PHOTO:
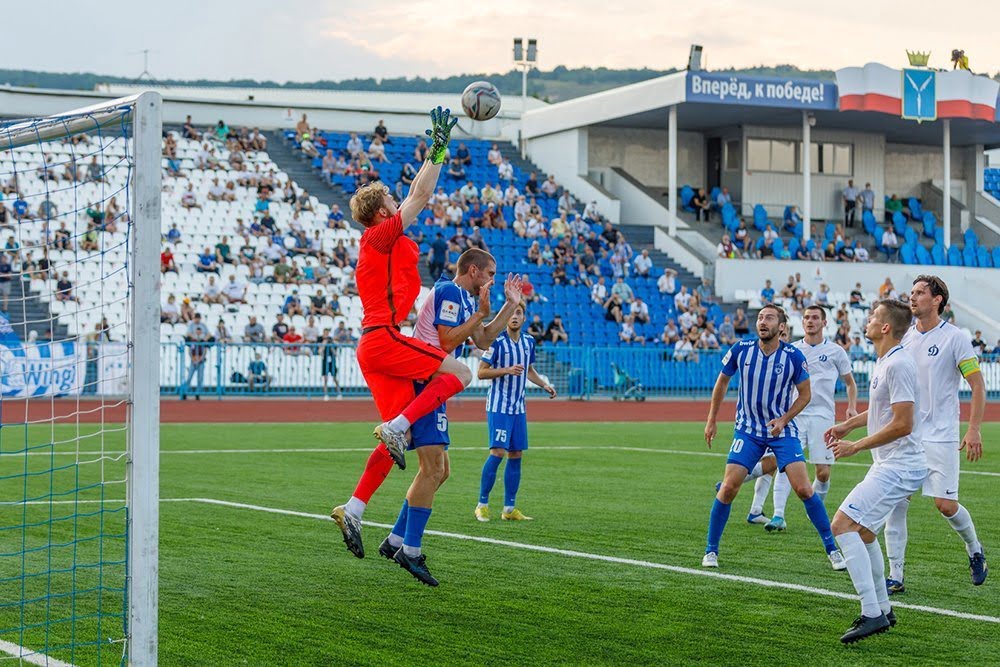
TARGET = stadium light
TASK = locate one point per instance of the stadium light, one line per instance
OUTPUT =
(694, 58)
(525, 59)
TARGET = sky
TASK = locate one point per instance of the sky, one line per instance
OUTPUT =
(304, 40)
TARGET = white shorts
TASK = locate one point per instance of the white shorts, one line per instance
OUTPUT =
(870, 502)
(942, 465)
(811, 430)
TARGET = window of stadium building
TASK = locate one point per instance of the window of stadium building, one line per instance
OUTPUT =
(772, 155)
(733, 155)
(831, 159)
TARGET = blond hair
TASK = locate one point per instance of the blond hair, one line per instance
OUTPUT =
(367, 201)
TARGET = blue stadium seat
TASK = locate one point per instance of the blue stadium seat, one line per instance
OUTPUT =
(713, 196)
(907, 254)
(955, 256)
(729, 218)
(687, 193)
(793, 246)
(868, 222)
(830, 231)
(899, 223)
(910, 236)
(938, 255)
(930, 224)
(760, 217)
(969, 257)
(970, 238)
(924, 257)
(984, 258)
(916, 211)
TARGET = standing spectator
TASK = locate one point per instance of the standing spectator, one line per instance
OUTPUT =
(850, 197)
(767, 294)
(328, 364)
(867, 198)
(197, 345)
(667, 283)
(702, 206)
(555, 332)
(257, 373)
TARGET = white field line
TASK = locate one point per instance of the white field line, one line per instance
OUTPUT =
(349, 450)
(31, 657)
(618, 561)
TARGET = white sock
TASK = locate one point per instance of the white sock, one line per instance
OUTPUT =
(757, 471)
(508, 509)
(760, 490)
(782, 489)
(860, 568)
(400, 424)
(355, 507)
(821, 489)
(481, 505)
(895, 539)
(395, 540)
(413, 552)
(961, 521)
(878, 575)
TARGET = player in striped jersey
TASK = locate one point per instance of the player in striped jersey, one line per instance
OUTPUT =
(827, 361)
(509, 365)
(944, 355)
(770, 371)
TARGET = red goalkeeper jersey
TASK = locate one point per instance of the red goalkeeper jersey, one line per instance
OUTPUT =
(387, 276)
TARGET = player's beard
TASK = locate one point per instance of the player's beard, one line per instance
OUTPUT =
(771, 335)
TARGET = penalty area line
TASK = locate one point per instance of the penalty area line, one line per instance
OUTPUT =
(26, 655)
(800, 588)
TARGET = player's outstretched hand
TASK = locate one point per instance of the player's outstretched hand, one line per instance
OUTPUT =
(484, 299)
(440, 133)
(972, 443)
(852, 412)
(711, 428)
(512, 288)
(843, 448)
(551, 390)
(776, 426)
(834, 433)
(516, 369)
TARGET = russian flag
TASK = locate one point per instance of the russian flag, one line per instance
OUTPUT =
(878, 88)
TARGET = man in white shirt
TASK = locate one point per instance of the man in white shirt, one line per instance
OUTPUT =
(494, 157)
(521, 207)
(899, 465)
(890, 242)
(639, 310)
(469, 191)
(535, 228)
(827, 362)
(234, 291)
(643, 264)
(510, 194)
(590, 212)
(549, 186)
(944, 356)
(667, 283)
(213, 293)
(505, 171)
(354, 146)
(686, 320)
(599, 292)
(454, 213)
(682, 299)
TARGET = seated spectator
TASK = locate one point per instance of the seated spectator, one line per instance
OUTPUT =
(494, 156)
(64, 288)
(170, 312)
(342, 335)
(892, 206)
(702, 206)
(684, 351)
(857, 299)
(613, 308)
(329, 164)
(770, 235)
(308, 147)
(536, 329)
(682, 300)
(591, 215)
(463, 155)
(823, 296)
(223, 252)
(62, 238)
(187, 310)
(741, 325)
(310, 332)
(707, 340)
(830, 253)
(667, 283)
(222, 334)
(727, 332)
(802, 253)
(639, 311)
(207, 263)
(996, 349)
(599, 292)
(741, 237)
(420, 152)
(978, 344)
(704, 292)
(292, 305)
(687, 321)
(189, 131)
(188, 198)
(723, 198)
(643, 264)
(531, 185)
(20, 207)
(845, 254)
(549, 187)
(857, 351)
(376, 151)
(767, 294)
(890, 242)
(726, 249)
(627, 334)
(257, 375)
(382, 132)
(455, 169)
(213, 292)
(556, 332)
(174, 234)
(860, 252)
(793, 220)
(671, 334)
(253, 332)
(235, 292)
(196, 329)
(505, 171)
(623, 290)
(528, 288)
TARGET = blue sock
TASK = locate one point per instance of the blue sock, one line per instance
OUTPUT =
(716, 524)
(399, 530)
(416, 521)
(511, 480)
(489, 477)
(817, 514)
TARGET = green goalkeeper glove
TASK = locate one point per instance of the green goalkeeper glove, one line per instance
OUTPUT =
(440, 133)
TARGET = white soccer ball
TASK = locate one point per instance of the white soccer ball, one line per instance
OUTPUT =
(481, 100)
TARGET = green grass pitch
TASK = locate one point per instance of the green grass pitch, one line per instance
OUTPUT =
(244, 586)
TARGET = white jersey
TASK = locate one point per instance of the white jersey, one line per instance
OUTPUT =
(943, 356)
(827, 363)
(894, 380)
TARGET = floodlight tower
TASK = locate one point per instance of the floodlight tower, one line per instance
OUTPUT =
(524, 59)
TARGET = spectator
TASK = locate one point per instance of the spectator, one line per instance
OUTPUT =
(741, 325)
(643, 264)
(292, 305)
(342, 335)
(257, 373)
(682, 300)
(613, 308)
(62, 238)
(726, 249)
(741, 238)
(890, 242)
(187, 310)
(843, 337)
(687, 321)
(549, 187)
(702, 206)
(857, 352)
(64, 288)
(845, 253)
(253, 332)
(978, 344)
(463, 155)
(591, 214)
(328, 364)
(170, 313)
(599, 292)
(279, 329)
(196, 329)
(197, 345)
(892, 206)
(707, 339)
(770, 235)
(996, 349)
(723, 198)
(505, 171)
(382, 132)
(420, 152)
(188, 198)
(830, 253)
(455, 169)
(494, 156)
(222, 334)
(207, 263)
(318, 304)
(536, 329)
(684, 351)
(167, 262)
(335, 219)
(705, 292)
(627, 334)
(671, 334)
(727, 332)
(528, 288)
(867, 199)
(639, 311)
(310, 332)
(860, 252)
(886, 290)
(850, 197)
(823, 296)
(213, 292)
(189, 131)
(376, 151)
(556, 332)
(857, 298)
(235, 292)
(622, 290)
(531, 185)
(667, 283)
(793, 219)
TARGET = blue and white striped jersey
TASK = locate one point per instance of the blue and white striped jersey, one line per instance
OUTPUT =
(767, 385)
(506, 394)
(447, 304)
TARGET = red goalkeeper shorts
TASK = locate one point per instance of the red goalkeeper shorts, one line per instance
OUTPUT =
(391, 362)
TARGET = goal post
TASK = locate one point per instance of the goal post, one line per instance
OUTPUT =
(79, 384)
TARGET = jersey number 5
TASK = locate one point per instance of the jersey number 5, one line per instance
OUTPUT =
(442, 423)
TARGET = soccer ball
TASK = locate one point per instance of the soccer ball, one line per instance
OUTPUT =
(481, 100)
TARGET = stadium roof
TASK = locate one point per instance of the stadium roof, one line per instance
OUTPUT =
(707, 101)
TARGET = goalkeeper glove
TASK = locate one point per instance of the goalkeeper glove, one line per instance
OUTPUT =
(440, 133)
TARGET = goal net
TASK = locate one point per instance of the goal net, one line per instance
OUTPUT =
(79, 307)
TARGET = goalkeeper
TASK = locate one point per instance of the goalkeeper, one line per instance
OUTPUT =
(388, 284)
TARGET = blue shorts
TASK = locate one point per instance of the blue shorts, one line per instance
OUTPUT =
(747, 450)
(508, 432)
(432, 428)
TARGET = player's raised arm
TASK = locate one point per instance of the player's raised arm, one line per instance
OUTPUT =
(484, 336)
(426, 179)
